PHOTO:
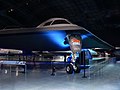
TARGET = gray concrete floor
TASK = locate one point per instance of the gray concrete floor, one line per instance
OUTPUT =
(107, 79)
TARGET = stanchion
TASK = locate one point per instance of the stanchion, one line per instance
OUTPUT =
(17, 71)
(84, 63)
(53, 68)
(53, 71)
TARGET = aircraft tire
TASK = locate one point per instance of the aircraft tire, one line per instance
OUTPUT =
(69, 69)
(77, 70)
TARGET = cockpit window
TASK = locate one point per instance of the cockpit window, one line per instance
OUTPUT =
(60, 22)
(48, 23)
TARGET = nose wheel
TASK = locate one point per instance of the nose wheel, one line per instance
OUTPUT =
(69, 69)
(77, 68)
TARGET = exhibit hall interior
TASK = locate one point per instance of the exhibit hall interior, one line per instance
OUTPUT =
(59, 45)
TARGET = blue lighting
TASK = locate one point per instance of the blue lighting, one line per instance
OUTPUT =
(85, 36)
(84, 49)
(58, 37)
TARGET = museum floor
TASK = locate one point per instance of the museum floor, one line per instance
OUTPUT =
(106, 79)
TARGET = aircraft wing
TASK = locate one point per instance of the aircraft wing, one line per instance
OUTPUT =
(89, 40)
(47, 39)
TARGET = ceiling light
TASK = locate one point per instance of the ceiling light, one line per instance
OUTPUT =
(11, 10)
(27, 3)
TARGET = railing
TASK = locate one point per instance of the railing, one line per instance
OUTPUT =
(97, 65)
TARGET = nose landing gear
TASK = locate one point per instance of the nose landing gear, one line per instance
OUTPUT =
(75, 46)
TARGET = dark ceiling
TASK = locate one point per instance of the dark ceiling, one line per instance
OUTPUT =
(101, 17)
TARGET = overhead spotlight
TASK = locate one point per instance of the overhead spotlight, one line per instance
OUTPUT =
(27, 3)
(11, 10)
